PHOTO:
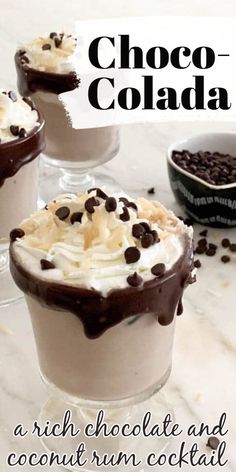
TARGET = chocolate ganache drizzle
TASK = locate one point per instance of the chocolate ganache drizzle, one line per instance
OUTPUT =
(138, 294)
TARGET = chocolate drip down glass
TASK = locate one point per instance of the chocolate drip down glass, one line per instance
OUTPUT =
(74, 153)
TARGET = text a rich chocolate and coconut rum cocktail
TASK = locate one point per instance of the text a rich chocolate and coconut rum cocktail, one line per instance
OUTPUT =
(103, 279)
(45, 69)
(21, 141)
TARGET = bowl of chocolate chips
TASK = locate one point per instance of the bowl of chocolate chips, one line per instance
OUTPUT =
(202, 173)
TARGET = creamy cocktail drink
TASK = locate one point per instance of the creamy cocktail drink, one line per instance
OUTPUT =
(45, 68)
(21, 141)
(103, 278)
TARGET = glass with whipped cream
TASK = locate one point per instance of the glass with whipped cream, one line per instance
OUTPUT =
(45, 69)
(103, 278)
(21, 142)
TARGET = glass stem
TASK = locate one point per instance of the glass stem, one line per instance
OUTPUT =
(74, 181)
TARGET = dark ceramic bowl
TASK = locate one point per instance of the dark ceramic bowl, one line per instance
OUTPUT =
(209, 205)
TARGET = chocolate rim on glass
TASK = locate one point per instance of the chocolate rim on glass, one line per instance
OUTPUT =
(108, 348)
(19, 194)
(73, 152)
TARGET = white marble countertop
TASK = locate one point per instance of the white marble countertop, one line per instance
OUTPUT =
(203, 381)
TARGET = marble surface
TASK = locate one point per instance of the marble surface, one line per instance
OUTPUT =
(203, 380)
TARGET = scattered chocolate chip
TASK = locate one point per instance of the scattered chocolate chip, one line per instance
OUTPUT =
(46, 265)
(90, 204)
(225, 259)
(14, 130)
(62, 213)
(110, 204)
(212, 246)
(46, 47)
(213, 442)
(16, 233)
(146, 227)
(200, 249)
(76, 217)
(203, 233)
(158, 270)
(197, 264)
(23, 133)
(132, 254)
(202, 242)
(134, 280)
(52, 35)
(12, 95)
(57, 41)
(125, 215)
(99, 192)
(232, 247)
(147, 240)
(137, 230)
(225, 242)
(210, 252)
(151, 191)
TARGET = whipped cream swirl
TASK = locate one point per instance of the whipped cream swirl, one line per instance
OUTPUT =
(85, 245)
(17, 118)
(53, 53)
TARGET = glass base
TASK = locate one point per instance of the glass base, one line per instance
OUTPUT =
(54, 182)
(59, 411)
(9, 292)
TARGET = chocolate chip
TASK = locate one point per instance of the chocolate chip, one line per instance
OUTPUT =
(62, 213)
(134, 280)
(23, 133)
(147, 240)
(232, 247)
(225, 242)
(158, 270)
(12, 95)
(131, 205)
(99, 192)
(203, 233)
(46, 265)
(213, 442)
(110, 204)
(132, 254)
(197, 264)
(14, 130)
(188, 222)
(137, 230)
(151, 191)
(16, 233)
(154, 234)
(125, 215)
(46, 47)
(212, 246)
(210, 252)
(90, 204)
(76, 217)
(57, 41)
(146, 227)
(225, 259)
(52, 35)
(202, 242)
